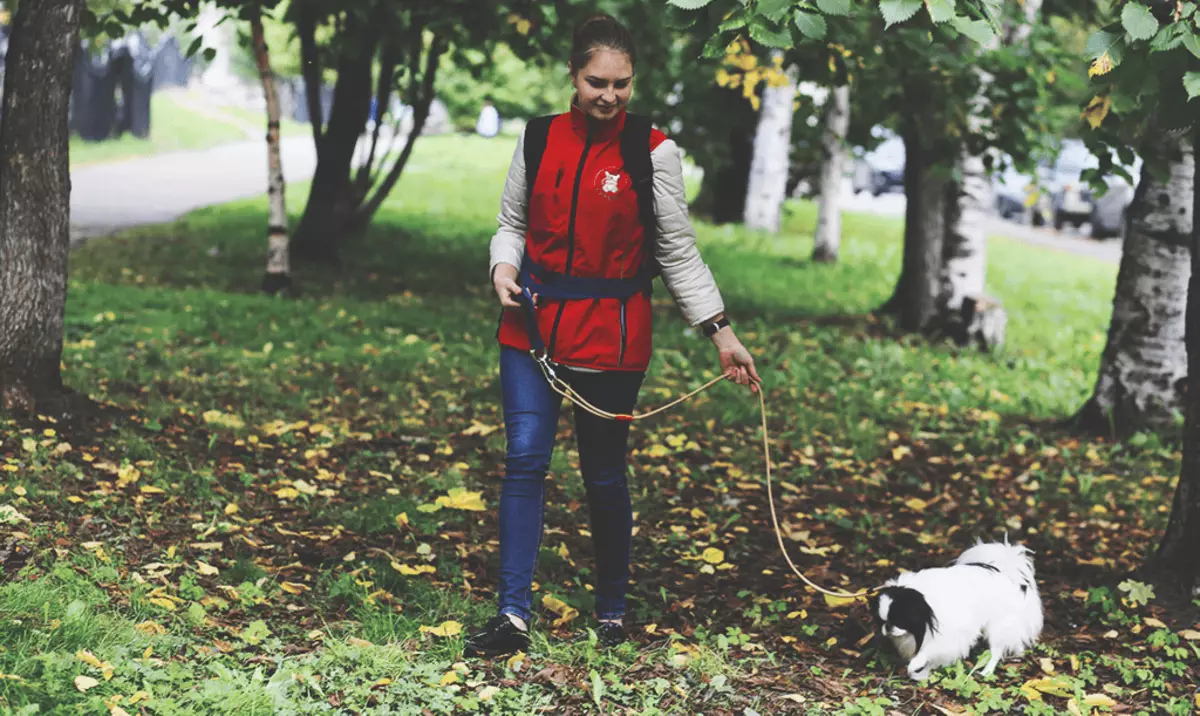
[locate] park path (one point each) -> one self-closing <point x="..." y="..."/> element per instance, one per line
<point x="109" y="197"/>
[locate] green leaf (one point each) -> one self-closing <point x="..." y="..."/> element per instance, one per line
<point x="716" y="46"/>
<point x="774" y="10"/>
<point x="597" y="687"/>
<point x="811" y="24"/>
<point x="770" y="36"/>
<point x="834" y="7"/>
<point x="1190" y="42"/>
<point x="1101" y="42"/>
<point x="978" y="30"/>
<point x="1191" y="83"/>
<point x="191" y="50"/>
<point x="1138" y="22"/>
<point x="689" y="4"/>
<point x="940" y="10"/>
<point x="897" y="11"/>
<point x="1168" y="38"/>
<point x="735" y="21"/>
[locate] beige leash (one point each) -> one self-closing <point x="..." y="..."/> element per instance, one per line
<point x="565" y="390"/>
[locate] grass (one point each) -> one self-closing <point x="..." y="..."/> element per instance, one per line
<point x="247" y="537"/>
<point x="177" y="126"/>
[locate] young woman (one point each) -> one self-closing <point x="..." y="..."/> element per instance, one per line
<point x="580" y="226"/>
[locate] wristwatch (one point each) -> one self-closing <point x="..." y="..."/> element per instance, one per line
<point x="709" y="329"/>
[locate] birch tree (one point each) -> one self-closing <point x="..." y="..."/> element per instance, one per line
<point x="278" y="275"/>
<point x="772" y="139"/>
<point x="828" y="235"/>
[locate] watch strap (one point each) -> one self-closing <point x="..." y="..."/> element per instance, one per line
<point x="712" y="327"/>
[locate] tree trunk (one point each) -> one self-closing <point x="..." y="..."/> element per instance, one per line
<point x="722" y="196"/>
<point x="333" y="198"/>
<point x="1178" y="556"/>
<point x="35" y="189"/>
<point x="828" y="237"/>
<point x="278" y="277"/>
<point x="769" y="167"/>
<point x="1144" y="368"/>
<point x="965" y="252"/>
<point x="310" y="63"/>
<point x="914" y="300"/>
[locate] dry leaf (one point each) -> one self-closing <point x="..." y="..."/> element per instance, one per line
<point x="206" y="570"/>
<point x="83" y="683"/>
<point x="447" y="628"/>
<point x="916" y="504"/>
<point x="712" y="555"/>
<point x="293" y="587"/>
<point x="1152" y="622"/>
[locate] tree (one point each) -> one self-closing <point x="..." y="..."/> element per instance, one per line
<point x="827" y="237"/>
<point x="1143" y="371"/>
<point x="35" y="203"/>
<point x="767" y="187"/>
<point x="278" y="276"/>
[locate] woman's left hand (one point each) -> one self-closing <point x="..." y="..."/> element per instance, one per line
<point x="736" y="361"/>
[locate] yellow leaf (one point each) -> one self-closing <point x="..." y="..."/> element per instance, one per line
<point x="658" y="450"/>
<point x="361" y="643"/>
<point x="88" y="658"/>
<point x="450" y="677"/>
<point x="1102" y="65"/>
<point x="460" y="499"/>
<point x="1099" y="700"/>
<point x="514" y="661"/>
<point x="164" y="603"/>
<point x="293" y="587"/>
<point x="448" y="628"/>
<point x="138" y="696"/>
<point x="1096" y="111"/>
<point x="1152" y="622"/>
<point x="151" y="628"/>
<point x="287" y="493"/>
<point x="127" y="474"/>
<point x="564" y="611"/>
<point x="1190" y="634"/>
<point x="146" y="654"/>
<point x="83" y="683"/>
<point x="487" y="692"/>
<point x="117" y="711"/>
<point x="1046" y="664"/>
<point x="900" y="451"/>
<point x="916" y="504"/>
<point x="402" y="520"/>
<point x="75" y="499"/>
<point x="833" y="601"/>
<point x="413" y="571"/>
<point x="1055" y="686"/>
<point x="382" y="682"/>
<point x="151" y="490"/>
<point x="524" y="26"/>
<point x="231" y="508"/>
<point x="712" y="555"/>
<point x="206" y="570"/>
<point x="20" y="491"/>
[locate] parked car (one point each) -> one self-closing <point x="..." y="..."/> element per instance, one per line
<point x="880" y="170"/>
<point x="1072" y="201"/>
<point x="1016" y="195"/>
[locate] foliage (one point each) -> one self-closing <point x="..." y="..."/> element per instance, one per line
<point x="518" y="88"/>
<point x="213" y="553"/>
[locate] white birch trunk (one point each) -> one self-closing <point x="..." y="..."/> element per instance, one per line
<point x="1143" y="371"/>
<point x="769" y="167"/>
<point x="278" y="276"/>
<point x="828" y="236"/>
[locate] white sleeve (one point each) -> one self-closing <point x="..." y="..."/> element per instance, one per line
<point x="508" y="243"/>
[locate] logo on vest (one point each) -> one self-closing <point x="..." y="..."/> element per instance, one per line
<point x="611" y="182"/>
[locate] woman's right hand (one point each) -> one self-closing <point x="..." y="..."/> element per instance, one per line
<point x="504" y="281"/>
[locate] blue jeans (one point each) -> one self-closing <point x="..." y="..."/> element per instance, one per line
<point x="530" y="423"/>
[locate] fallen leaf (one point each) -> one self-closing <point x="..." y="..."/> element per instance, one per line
<point x="412" y="571"/>
<point x="1190" y="634"/>
<point x="1046" y="664"/>
<point x="450" y="677"/>
<point x="916" y="504"/>
<point x="151" y="628"/>
<point x="1055" y="686"/>
<point x="712" y="555"/>
<point x="206" y="570"/>
<point x="83" y="683"/>
<point x="564" y="611"/>
<point x="447" y="628"/>
<point x="164" y="603"/>
<point x="515" y="661"/>
<point x="1099" y="700"/>
<point x="834" y="601"/>
<point x="293" y="587"/>
<point x="487" y="692"/>
<point x="460" y="499"/>
<point x="1152" y="622"/>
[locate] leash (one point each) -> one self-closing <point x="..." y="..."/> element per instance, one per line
<point x="564" y="389"/>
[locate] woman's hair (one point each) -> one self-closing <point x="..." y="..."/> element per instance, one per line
<point x="600" y="32"/>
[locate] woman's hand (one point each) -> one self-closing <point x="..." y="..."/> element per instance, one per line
<point x="736" y="361"/>
<point x="504" y="281"/>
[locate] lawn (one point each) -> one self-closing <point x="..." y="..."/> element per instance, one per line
<point x="175" y="126"/>
<point x="283" y="517"/>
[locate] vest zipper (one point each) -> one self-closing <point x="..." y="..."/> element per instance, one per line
<point x="587" y="145"/>
<point x="621" y="356"/>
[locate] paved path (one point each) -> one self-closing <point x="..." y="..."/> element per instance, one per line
<point x="109" y="197"/>
<point x="1076" y="243"/>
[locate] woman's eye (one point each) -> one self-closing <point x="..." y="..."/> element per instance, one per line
<point x="597" y="84"/>
<point x="621" y="85"/>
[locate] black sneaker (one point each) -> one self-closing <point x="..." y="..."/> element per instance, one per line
<point x="608" y="635"/>
<point x="498" y="636"/>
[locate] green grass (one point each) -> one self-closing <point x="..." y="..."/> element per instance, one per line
<point x="175" y="126"/>
<point x="298" y="446"/>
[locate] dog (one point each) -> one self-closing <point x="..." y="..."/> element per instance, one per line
<point x="934" y="617"/>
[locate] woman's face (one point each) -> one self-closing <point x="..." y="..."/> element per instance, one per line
<point x="603" y="85"/>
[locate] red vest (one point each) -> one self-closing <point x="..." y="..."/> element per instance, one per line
<point x="583" y="221"/>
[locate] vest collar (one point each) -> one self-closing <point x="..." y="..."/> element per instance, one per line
<point x="602" y="130"/>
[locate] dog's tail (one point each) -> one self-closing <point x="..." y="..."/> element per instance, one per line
<point x="1011" y="560"/>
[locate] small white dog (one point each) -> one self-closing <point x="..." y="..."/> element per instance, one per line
<point x="935" y="616"/>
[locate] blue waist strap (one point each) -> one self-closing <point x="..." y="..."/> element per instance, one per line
<point x="561" y="287"/>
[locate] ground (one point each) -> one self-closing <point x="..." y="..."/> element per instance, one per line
<point x="293" y="509"/>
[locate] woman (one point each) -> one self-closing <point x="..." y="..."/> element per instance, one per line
<point x="581" y="222"/>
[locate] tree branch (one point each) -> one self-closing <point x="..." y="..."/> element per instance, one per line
<point x="420" y="114"/>
<point x="389" y="58"/>
<point x="310" y="61"/>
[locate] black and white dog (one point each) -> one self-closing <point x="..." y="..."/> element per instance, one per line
<point x="935" y="616"/>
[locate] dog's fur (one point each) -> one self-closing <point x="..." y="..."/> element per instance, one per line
<point x="935" y="616"/>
